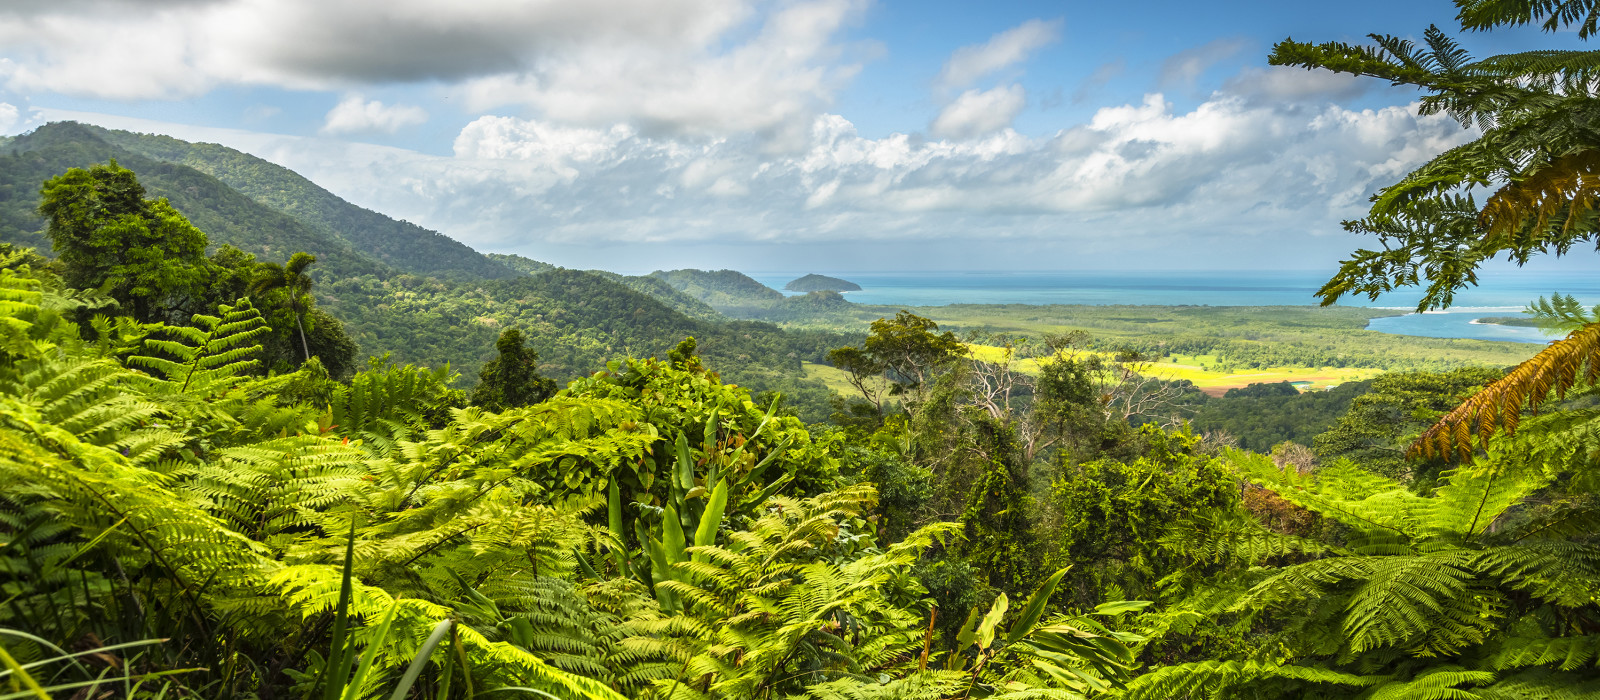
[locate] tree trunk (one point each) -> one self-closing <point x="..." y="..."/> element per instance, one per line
<point x="303" y="345"/>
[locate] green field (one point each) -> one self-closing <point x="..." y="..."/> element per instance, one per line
<point x="831" y="377"/>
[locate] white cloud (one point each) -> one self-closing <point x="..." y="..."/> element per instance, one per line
<point x="1252" y="174"/>
<point x="9" y="117"/>
<point x="968" y="64"/>
<point x="1185" y="67"/>
<point x="774" y="83"/>
<point x="355" y="115"/>
<point x="1226" y="182"/>
<point x="976" y="113"/>
<point x="679" y="66"/>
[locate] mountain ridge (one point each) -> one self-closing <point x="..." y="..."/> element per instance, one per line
<point x="401" y="244"/>
<point x="575" y="320"/>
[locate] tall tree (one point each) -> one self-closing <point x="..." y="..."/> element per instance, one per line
<point x="905" y="353"/>
<point x="294" y="284"/>
<point x="108" y="235"/>
<point x="512" y="379"/>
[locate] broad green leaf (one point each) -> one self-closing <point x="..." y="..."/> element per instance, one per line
<point x="672" y="541"/>
<point x="706" y="535"/>
<point x="991" y="621"/>
<point x="614" y="520"/>
<point x="1118" y="607"/>
<point x="1034" y="608"/>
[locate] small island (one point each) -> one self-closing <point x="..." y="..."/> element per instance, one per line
<point x="822" y="283"/>
<point x="1519" y="321"/>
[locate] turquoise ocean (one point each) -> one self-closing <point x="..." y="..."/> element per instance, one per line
<point x="1500" y="293"/>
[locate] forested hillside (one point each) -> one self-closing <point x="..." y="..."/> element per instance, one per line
<point x="574" y="320"/>
<point x="665" y="293"/>
<point x="226" y="215"/>
<point x="1263" y="415"/>
<point x="399" y="244"/>
<point x="722" y="289"/>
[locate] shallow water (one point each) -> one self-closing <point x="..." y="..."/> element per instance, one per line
<point x="1458" y="323"/>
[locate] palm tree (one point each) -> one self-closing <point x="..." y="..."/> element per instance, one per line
<point x="290" y="279"/>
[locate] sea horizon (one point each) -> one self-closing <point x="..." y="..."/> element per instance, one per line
<point x="1503" y="292"/>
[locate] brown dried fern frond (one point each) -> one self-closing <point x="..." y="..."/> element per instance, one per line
<point x="1499" y="406"/>
<point x="1565" y="192"/>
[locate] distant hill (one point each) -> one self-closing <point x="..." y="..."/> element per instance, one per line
<point x="666" y="294"/>
<point x="652" y="286"/>
<point x="720" y="288"/>
<point x="821" y="283"/>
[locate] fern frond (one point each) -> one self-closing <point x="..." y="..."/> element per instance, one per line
<point x="1556" y="369"/>
<point x="1563" y="192"/>
<point x="1211" y="678"/>
<point x="1564" y="573"/>
<point x="1427" y="604"/>
<point x="1556" y="14"/>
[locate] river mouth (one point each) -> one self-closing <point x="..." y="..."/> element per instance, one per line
<point x="1460" y="323"/>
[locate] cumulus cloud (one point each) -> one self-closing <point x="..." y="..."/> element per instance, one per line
<point x="1228" y="179"/>
<point x="976" y="113"/>
<point x="968" y="64"/>
<point x="772" y="84"/>
<point x="354" y="115"/>
<point x="1185" y="67"/>
<point x="9" y="116"/>
<point x="1246" y="173"/>
<point x="668" y="65"/>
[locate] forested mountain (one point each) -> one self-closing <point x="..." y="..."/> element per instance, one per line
<point x="415" y="295"/>
<point x="666" y="294"/>
<point x="400" y="244"/>
<point x="226" y="215"/>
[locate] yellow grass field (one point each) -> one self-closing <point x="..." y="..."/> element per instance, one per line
<point x="1195" y="368"/>
<point x="1200" y="370"/>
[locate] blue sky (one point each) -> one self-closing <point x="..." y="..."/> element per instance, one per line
<point x="800" y="134"/>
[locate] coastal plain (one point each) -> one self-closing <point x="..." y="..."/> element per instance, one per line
<point x="1214" y="347"/>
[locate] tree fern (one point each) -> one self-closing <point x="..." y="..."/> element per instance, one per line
<point x="1420" y="600"/>
<point x="1556" y="14"/>
<point x="1499" y="406"/>
<point x="209" y="356"/>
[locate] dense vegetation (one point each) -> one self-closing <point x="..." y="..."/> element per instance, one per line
<point x="182" y="520"/>
<point x="1260" y="416"/>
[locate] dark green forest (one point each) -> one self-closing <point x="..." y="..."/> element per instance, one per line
<point x="252" y="449"/>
